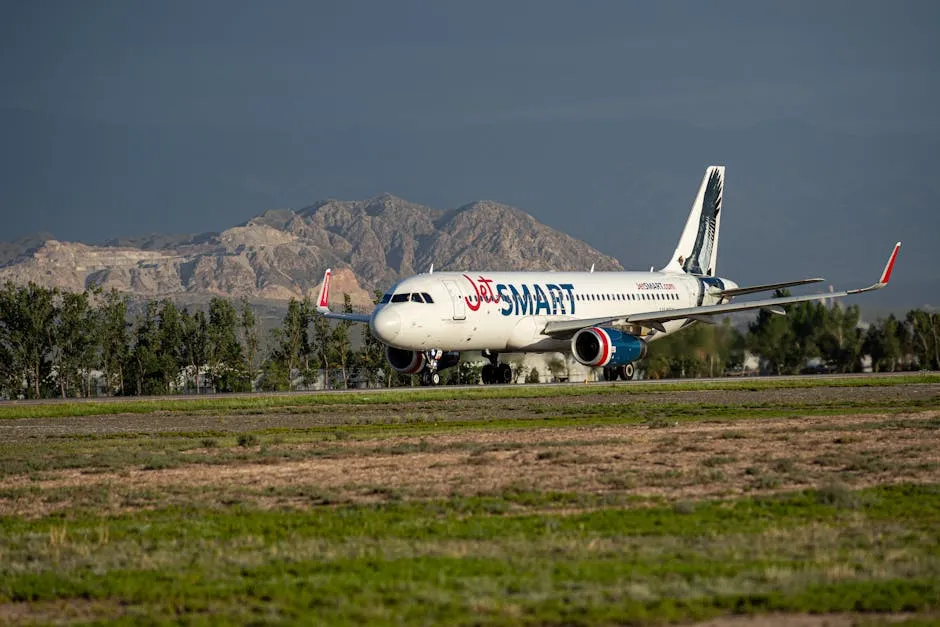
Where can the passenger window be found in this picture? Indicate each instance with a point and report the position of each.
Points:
(427, 297)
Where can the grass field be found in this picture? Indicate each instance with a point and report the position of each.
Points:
(737, 503)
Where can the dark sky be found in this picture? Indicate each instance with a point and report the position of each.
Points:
(120, 118)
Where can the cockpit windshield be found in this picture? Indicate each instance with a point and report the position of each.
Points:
(414, 297)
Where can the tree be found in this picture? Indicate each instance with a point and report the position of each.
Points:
(113, 326)
(248, 324)
(73, 338)
(469, 373)
(370, 359)
(340, 349)
(291, 349)
(771, 337)
(143, 363)
(26, 321)
(883, 344)
(839, 338)
(533, 376)
(925, 334)
(195, 343)
(170, 352)
(225, 355)
(556, 365)
(519, 370)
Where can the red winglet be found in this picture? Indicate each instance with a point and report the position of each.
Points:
(324, 301)
(886, 275)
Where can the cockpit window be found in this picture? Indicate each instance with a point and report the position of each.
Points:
(400, 298)
(427, 297)
(416, 298)
(385, 299)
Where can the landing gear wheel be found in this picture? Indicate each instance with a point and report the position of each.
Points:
(430, 378)
(488, 374)
(503, 373)
(627, 372)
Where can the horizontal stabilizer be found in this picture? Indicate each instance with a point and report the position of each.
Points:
(740, 291)
(323, 304)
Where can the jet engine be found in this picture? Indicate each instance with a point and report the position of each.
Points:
(600, 346)
(405, 361)
(413, 362)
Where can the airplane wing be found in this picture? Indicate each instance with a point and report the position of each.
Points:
(740, 291)
(655, 319)
(323, 303)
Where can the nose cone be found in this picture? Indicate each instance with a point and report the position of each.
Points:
(385, 325)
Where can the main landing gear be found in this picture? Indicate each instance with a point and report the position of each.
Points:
(495, 372)
(612, 373)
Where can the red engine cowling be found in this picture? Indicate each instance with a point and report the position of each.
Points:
(404, 361)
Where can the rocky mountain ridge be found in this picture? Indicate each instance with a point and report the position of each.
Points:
(282, 254)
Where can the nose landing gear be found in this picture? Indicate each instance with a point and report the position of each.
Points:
(436, 360)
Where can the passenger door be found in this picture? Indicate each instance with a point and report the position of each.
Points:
(460, 307)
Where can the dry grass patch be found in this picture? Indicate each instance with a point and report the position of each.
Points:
(692, 461)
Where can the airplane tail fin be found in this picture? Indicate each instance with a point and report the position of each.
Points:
(697, 251)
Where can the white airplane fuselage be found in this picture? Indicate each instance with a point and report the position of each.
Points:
(507, 311)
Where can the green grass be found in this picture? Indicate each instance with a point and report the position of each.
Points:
(259, 402)
(488, 560)
(300, 551)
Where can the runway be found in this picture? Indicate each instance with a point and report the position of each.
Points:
(404, 389)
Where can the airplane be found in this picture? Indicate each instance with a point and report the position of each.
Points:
(604, 319)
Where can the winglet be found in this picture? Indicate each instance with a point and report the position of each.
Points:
(323, 301)
(886, 275)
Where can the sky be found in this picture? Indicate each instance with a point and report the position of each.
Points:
(598, 118)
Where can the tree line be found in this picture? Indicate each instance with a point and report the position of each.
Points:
(828, 335)
(66, 344)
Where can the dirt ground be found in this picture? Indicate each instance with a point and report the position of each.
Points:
(677, 461)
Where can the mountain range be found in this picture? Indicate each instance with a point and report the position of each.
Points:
(282, 254)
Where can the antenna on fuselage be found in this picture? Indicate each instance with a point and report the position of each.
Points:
(592, 267)
(431, 269)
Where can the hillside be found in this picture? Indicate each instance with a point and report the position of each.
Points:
(282, 254)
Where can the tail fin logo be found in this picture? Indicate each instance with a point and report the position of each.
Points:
(704, 245)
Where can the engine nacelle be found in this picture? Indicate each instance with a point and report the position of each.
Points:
(405, 361)
(600, 346)
(413, 362)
